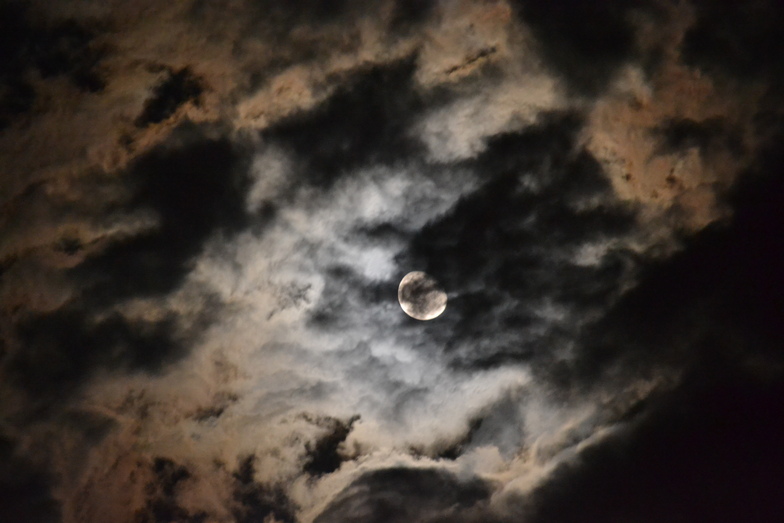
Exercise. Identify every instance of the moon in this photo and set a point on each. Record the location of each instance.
(420, 296)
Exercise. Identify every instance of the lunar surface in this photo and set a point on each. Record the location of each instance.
(420, 296)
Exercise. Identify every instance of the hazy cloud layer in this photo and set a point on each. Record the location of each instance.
(206, 212)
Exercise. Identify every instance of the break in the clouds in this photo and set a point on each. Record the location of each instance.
(207, 210)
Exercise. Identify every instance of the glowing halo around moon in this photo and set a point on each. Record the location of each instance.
(420, 296)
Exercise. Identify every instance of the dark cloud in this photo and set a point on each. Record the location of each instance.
(726, 284)
(709, 136)
(176, 89)
(325, 455)
(308, 11)
(585, 42)
(16, 99)
(27, 484)
(63, 348)
(405, 494)
(196, 187)
(161, 495)
(255, 501)
(25, 490)
(366, 122)
(66, 49)
(739, 39)
(211, 413)
(279, 18)
(409, 14)
(710, 451)
(507, 246)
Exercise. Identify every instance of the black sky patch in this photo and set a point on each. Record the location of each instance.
(583, 41)
(16, 99)
(69, 246)
(25, 490)
(404, 495)
(307, 11)
(176, 89)
(409, 14)
(211, 413)
(15, 36)
(727, 283)
(66, 48)
(473, 58)
(507, 246)
(365, 123)
(303, 32)
(196, 187)
(325, 456)
(738, 38)
(710, 452)
(63, 49)
(62, 348)
(709, 136)
(162, 505)
(256, 502)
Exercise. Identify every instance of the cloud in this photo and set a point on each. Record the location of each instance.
(180, 87)
(207, 213)
(706, 454)
(24, 489)
(401, 494)
(256, 502)
(584, 43)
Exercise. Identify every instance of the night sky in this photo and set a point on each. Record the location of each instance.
(206, 209)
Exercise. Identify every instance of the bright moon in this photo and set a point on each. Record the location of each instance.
(420, 296)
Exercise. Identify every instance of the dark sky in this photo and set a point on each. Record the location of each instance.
(206, 210)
